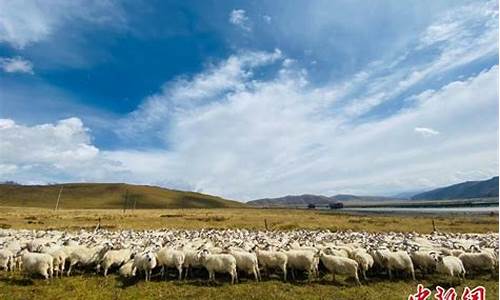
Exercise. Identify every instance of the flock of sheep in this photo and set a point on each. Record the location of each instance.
(250, 253)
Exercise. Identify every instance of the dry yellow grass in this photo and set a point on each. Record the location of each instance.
(281, 219)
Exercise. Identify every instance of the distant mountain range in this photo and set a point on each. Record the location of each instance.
(464, 190)
(469, 189)
(303, 200)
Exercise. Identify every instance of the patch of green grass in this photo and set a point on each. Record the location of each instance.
(15, 286)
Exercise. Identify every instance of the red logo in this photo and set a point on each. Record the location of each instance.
(478, 293)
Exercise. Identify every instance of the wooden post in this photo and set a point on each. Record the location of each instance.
(433, 226)
(125, 201)
(135, 202)
(58, 198)
(265, 224)
(98, 225)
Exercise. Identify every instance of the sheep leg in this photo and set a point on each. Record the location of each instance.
(364, 275)
(357, 279)
(255, 274)
(412, 272)
(180, 272)
(293, 274)
(390, 274)
(72, 263)
(284, 273)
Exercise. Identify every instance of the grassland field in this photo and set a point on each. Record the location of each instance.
(90, 286)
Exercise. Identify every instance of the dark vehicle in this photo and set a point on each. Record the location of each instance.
(311, 206)
(336, 205)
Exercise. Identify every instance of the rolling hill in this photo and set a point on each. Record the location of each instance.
(106, 195)
(464, 190)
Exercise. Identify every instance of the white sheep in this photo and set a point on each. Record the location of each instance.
(340, 265)
(59, 259)
(424, 260)
(191, 260)
(246, 262)
(146, 262)
(38, 263)
(114, 258)
(399, 260)
(221, 263)
(126, 269)
(6, 259)
(451, 266)
(302, 260)
(474, 262)
(364, 259)
(170, 258)
(272, 260)
(84, 256)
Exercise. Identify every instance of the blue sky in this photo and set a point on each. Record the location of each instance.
(250, 99)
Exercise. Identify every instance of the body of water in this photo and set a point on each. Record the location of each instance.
(426, 210)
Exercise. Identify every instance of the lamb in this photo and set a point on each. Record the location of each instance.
(424, 260)
(478, 262)
(302, 260)
(38, 263)
(246, 262)
(272, 260)
(340, 265)
(222, 263)
(170, 258)
(146, 262)
(451, 266)
(399, 260)
(114, 258)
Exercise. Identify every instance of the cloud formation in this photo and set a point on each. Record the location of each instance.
(26, 22)
(426, 132)
(238, 17)
(61, 150)
(16, 65)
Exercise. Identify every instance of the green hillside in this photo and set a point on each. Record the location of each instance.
(106, 195)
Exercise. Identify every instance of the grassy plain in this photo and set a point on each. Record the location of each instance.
(250, 218)
(90, 286)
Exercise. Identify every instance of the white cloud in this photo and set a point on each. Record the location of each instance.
(25, 22)
(458, 37)
(16, 65)
(426, 132)
(267, 19)
(273, 137)
(238, 17)
(182, 94)
(58, 149)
